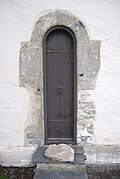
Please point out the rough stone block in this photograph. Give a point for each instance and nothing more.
(61, 152)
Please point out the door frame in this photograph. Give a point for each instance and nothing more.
(75, 85)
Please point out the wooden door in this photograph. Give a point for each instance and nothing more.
(59, 86)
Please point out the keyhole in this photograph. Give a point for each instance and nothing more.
(81, 74)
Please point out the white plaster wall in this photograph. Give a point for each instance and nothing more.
(102, 20)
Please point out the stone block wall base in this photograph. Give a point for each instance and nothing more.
(60, 171)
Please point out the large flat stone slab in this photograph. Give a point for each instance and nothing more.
(38, 156)
(60, 152)
(59, 175)
(60, 171)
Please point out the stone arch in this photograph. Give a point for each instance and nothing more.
(31, 76)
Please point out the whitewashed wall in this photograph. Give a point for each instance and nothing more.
(102, 21)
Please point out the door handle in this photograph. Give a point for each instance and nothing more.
(60, 89)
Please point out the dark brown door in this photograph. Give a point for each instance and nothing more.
(59, 86)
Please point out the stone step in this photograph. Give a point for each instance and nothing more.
(61, 167)
(53, 169)
(38, 156)
(39, 174)
(60, 171)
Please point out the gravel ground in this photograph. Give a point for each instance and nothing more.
(16, 172)
(94, 172)
(103, 171)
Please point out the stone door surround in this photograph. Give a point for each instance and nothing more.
(31, 75)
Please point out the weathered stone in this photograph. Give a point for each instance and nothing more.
(59, 175)
(38, 156)
(60, 171)
(61, 167)
(31, 70)
(61, 152)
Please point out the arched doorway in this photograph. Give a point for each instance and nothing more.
(31, 77)
(60, 85)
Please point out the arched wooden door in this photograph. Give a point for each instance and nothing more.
(60, 86)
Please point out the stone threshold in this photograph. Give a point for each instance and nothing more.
(38, 156)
